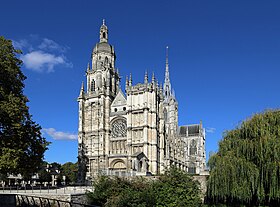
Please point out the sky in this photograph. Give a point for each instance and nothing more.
(224, 58)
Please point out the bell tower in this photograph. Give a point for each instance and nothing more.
(94, 108)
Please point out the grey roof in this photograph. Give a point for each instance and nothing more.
(189, 130)
(193, 129)
(183, 130)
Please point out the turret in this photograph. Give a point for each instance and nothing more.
(103, 32)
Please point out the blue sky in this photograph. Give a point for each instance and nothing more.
(224, 58)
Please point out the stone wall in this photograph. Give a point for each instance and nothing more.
(12, 200)
(202, 179)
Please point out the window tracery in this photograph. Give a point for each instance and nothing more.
(118, 128)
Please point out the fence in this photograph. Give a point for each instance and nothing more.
(46, 190)
(36, 201)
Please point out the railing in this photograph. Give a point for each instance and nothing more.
(36, 201)
(45, 190)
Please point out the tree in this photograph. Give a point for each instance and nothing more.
(22, 146)
(44, 176)
(177, 188)
(246, 169)
(121, 192)
(174, 188)
(70, 170)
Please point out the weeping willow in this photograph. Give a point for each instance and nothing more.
(246, 169)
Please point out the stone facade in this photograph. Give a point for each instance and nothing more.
(135, 133)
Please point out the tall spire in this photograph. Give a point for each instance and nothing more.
(167, 84)
(166, 67)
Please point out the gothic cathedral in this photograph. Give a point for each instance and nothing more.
(132, 133)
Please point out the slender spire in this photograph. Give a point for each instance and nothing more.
(167, 67)
(167, 84)
(88, 67)
(166, 55)
(153, 78)
(103, 22)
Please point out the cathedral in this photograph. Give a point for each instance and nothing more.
(134, 132)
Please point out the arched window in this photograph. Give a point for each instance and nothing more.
(104, 34)
(193, 148)
(92, 85)
(106, 60)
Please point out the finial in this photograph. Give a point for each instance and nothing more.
(88, 67)
(173, 93)
(103, 21)
(82, 89)
(153, 77)
(146, 77)
(126, 81)
(130, 79)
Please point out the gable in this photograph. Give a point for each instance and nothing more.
(119, 100)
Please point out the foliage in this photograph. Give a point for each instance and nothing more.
(246, 169)
(70, 170)
(21, 145)
(174, 188)
(55, 165)
(44, 176)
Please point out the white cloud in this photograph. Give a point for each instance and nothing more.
(42, 55)
(210, 130)
(41, 61)
(59, 135)
(48, 44)
(22, 44)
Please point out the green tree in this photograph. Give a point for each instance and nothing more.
(44, 176)
(174, 188)
(70, 170)
(177, 188)
(21, 145)
(121, 192)
(246, 169)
